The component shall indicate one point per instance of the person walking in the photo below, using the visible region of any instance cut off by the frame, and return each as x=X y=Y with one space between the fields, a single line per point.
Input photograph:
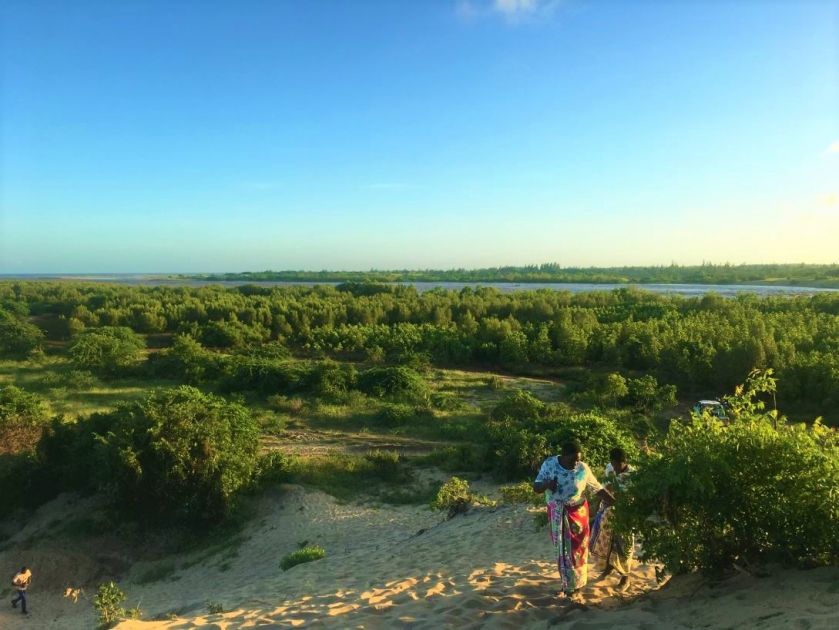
x=564 y=478
x=20 y=582
x=610 y=551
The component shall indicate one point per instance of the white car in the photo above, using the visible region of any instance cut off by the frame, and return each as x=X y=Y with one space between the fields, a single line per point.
x=713 y=407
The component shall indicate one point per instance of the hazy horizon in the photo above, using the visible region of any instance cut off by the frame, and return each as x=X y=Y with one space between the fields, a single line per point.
x=403 y=135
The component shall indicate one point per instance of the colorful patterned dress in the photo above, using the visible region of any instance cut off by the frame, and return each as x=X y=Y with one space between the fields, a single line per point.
x=568 y=519
x=608 y=549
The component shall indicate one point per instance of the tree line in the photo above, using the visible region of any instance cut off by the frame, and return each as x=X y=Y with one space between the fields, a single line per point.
x=707 y=273
x=702 y=345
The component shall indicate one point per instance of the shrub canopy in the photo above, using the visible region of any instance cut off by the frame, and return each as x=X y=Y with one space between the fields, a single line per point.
x=106 y=349
x=716 y=495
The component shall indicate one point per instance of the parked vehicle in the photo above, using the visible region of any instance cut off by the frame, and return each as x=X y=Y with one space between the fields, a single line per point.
x=713 y=408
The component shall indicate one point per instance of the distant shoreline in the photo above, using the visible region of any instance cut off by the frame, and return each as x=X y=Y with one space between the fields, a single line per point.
x=683 y=289
x=769 y=275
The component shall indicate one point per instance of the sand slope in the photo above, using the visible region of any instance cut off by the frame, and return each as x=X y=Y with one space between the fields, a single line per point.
x=405 y=567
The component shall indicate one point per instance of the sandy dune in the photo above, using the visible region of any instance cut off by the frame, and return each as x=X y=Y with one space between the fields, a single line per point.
x=405 y=567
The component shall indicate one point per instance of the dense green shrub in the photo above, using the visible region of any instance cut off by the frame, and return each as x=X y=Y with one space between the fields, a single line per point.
x=716 y=495
x=179 y=455
x=301 y=556
x=106 y=350
x=19 y=339
x=523 y=431
x=645 y=394
x=396 y=381
x=518 y=405
x=274 y=467
x=187 y=360
x=330 y=379
x=18 y=406
x=266 y=376
x=232 y=334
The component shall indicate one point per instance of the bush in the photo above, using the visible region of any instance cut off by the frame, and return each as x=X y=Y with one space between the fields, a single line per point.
x=301 y=556
x=393 y=381
x=746 y=493
x=232 y=334
x=331 y=379
x=21 y=407
x=645 y=395
x=396 y=415
x=21 y=416
x=274 y=467
x=518 y=405
x=19 y=339
x=188 y=360
x=523 y=431
x=106 y=350
x=454 y=497
x=178 y=456
x=266 y=376
x=108 y=603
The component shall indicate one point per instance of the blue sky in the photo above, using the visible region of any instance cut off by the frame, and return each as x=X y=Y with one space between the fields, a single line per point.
x=354 y=134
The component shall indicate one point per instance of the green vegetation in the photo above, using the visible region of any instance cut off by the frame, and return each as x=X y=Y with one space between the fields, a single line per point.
x=107 y=349
x=301 y=556
x=180 y=455
x=108 y=603
x=714 y=496
x=175 y=404
x=552 y=272
x=521 y=493
x=455 y=497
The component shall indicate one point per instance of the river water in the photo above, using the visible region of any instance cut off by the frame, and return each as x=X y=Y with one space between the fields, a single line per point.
x=686 y=290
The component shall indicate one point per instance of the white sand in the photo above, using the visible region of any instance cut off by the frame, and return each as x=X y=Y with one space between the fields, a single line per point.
x=485 y=569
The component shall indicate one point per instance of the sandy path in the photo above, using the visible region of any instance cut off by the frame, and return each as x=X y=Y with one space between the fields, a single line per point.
x=407 y=568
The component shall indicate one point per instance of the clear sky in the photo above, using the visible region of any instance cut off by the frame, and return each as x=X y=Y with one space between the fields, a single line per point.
x=351 y=134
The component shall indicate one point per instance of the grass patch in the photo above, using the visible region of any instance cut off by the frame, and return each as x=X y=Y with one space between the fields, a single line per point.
x=301 y=556
x=413 y=495
x=349 y=475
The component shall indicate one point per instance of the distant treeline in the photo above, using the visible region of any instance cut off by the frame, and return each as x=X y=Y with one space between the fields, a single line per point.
x=704 y=345
x=809 y=275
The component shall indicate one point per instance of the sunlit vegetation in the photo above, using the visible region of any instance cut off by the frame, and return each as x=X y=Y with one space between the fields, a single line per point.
x=174 y=405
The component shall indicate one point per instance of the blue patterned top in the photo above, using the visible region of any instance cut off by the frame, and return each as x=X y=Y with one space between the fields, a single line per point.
x=570 y=484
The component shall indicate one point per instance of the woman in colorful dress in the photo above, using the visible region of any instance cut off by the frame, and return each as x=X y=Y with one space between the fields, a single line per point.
x=609 y=551
x=564 y=479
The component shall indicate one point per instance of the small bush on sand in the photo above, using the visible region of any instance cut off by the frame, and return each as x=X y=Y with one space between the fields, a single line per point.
x=301 y=556
x=455 y=498
x=108 y=603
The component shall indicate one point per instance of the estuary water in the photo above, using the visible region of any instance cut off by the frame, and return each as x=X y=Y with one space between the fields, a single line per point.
x=685 y=290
